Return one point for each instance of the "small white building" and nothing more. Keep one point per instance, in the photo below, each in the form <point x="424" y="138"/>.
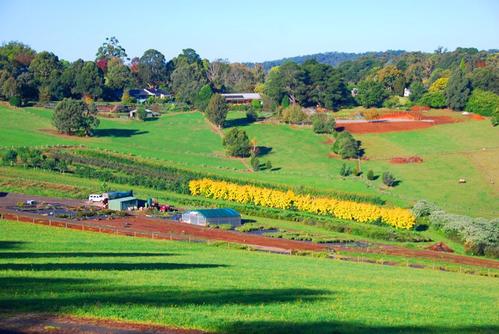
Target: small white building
<point x="241" y="97"/>
<point x="407" y="92"/>
<point x="149" y="113"/>
<point x="206" y="217"/>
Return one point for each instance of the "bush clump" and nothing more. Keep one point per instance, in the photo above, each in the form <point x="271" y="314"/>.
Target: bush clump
<point x="479" y="236"/>
<point x="323" y="123"/>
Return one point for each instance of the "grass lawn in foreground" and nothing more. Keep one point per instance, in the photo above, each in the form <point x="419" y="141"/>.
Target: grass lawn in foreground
<point x="45" y="269"/>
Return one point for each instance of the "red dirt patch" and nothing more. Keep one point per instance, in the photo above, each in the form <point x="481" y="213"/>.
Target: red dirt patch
<point x="441" y="247"/>
<point x="329" y="141"/>
<point x="381" y="127"/>
<point x="55" y="324"/>
<point x="477" y="117"/>
<point x="406" y="160"/>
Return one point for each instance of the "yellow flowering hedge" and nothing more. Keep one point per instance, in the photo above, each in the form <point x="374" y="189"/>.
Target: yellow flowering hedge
<point x="248" y="194"/>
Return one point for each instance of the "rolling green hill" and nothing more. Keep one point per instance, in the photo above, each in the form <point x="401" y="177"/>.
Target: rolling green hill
<point x="461" y="150"/>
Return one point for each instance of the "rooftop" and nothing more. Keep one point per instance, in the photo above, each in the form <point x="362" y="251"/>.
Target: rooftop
<point x="211" y="213"/>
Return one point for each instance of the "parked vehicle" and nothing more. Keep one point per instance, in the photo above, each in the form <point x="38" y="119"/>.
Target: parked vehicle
<point x="96" y="198"/>
<point x="31" y="202"/>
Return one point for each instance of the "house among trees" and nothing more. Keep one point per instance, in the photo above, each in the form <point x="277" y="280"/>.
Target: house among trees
<point x="142" y="94"/>
<point x="407" y="92"/>
<point x="241" y="98"/>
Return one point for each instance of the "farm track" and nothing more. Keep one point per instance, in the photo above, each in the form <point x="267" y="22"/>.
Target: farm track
<point x="162" y="229"/>
<point x="60" y="324"/>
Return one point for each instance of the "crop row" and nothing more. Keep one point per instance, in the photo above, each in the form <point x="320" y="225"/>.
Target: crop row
<point x="261" y="196"/>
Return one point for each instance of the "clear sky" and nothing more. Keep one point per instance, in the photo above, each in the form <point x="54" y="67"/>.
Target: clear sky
<point x="254" y="30"/>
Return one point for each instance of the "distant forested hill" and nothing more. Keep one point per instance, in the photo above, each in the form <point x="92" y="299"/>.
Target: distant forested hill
<point x="330" y="58"/>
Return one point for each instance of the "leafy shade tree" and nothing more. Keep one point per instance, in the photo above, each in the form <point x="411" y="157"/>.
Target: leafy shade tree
<point x="152" y="69"/>
<point x="323" y="123"/>
<point x="486" y="78"/>
<point x="203" y="97"/>
<point x="118" y="75"/>
<point x="237" y="143"/>
<point x="187" y="78"/>
<point x="440" y="85"/>
<point x="370" y="175"/>
<point x="110" y="49"/>
<point x="46" y="69"/>
<point x="371" y="93"/>
<point x="483" y="103"/>
<point x="458" y="89"/>
<point x="73" y="117"/>
<point x="417" y="90"/>
<point x="216" y="110"/>
<point x="346" y="146"/>
<point x="392" y="79"/>
<point x="89" y="81"/>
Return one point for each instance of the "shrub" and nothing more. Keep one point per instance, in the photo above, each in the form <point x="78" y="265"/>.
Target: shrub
<point x="15" y="101"/>
<point x="392" y="102"/>
<point x="479" y="236"/>
<point x="483" y="102"/>
<point x="9" y="156"/>
<point x="255" y="163"/>
<point x="268" y="165"/>
<point x="237" y="143"/>
<point x="141" y="113"/>
<point x="251" y="115"/>
<point x="323" y="123"/>
<point x="370" y="175"/>
<point x="495" y="118"/>
<point x="293" y="115"/>
<point x="370" y="114"/>
<point x="389" y="179"/>
<point x="345" y="170"/>
<point x="285" y="101"/>
<point x="433" y="99"/>
<point x="256" y="105"/>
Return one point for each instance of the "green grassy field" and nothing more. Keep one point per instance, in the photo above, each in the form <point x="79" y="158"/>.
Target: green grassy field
<point x="450" y="152"/>
<point x="45" y="269"/>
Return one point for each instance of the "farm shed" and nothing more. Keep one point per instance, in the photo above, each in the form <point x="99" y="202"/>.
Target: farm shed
<point x="212" y="216"/>
<point x="123" y="203"/>
<point x="241" y="97"/>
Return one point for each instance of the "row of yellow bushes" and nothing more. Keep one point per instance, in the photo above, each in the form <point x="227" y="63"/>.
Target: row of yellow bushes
<point x="248" y="194"/>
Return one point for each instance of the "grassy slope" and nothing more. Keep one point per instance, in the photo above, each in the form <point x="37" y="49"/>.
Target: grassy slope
<point x="194" y="285"/>
<point x="186" y="140"/>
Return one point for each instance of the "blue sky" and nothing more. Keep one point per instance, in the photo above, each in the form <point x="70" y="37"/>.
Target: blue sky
<point x="249" y="30"/>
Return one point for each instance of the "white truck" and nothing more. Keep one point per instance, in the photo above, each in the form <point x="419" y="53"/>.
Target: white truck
<point x="96" y="198"/>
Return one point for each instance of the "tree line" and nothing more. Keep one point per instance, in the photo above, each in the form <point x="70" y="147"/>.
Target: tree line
<point x="465" y="78"/>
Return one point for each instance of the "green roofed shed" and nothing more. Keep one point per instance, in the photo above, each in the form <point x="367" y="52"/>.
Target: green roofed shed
<point x="212" y="216"/>
<point x="122" y="204"/>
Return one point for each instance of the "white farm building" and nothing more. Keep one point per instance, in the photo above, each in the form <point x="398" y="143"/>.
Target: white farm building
<point x="206" y="217"/>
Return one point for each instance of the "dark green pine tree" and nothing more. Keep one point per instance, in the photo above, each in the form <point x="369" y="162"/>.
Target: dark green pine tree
<point x="458" y="89"/>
